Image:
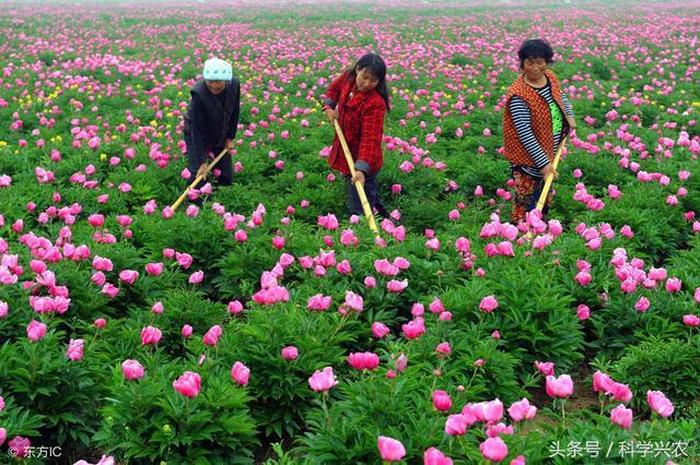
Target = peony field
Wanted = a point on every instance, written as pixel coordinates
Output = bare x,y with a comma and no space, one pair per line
261,323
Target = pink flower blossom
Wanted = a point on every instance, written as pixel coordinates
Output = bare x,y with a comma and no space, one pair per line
390,449
324,380
319,303
240,373
562,386
488,304
189,384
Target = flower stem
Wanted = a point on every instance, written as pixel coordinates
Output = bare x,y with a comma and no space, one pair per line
325,408
563,412
471,380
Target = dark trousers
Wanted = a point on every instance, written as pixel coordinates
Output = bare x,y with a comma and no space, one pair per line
225,165
354,204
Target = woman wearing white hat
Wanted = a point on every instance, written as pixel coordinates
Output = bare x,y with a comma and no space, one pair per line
212,119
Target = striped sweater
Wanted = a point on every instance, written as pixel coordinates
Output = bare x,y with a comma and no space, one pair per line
522,118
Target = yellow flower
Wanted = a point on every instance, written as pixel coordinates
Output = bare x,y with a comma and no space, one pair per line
103,156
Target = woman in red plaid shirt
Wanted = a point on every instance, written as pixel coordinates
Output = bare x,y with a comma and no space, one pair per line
359,99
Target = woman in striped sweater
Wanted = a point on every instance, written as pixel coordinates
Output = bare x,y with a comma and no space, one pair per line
537,117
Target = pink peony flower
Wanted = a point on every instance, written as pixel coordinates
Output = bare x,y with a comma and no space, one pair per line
197,277
75,349
240,373
235,307
396,286
562,386
659,403
150,335
379,330
583,312
456,425
602,382
441,401
186,331
414,328
673,284
546,368
390,449
290,353
433,456
354,301
363,360
132,369
522,410
211,338
583,278
19,446
36,330
189,384
691,320
322,381
494,449
154,269
443,348
128,276
488,304
621,416
642,304
319,303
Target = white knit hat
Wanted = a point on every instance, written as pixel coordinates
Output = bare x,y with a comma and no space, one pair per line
216,69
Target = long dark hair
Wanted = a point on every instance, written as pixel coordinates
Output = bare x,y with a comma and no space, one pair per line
374,64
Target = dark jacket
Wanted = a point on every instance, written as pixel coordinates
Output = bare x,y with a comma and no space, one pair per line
211,119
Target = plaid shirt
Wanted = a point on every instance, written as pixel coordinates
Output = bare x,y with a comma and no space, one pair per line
361,117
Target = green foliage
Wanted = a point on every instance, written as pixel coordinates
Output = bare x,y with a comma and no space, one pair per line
284,396
114,82
345,428
53,395
148,421
670,366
